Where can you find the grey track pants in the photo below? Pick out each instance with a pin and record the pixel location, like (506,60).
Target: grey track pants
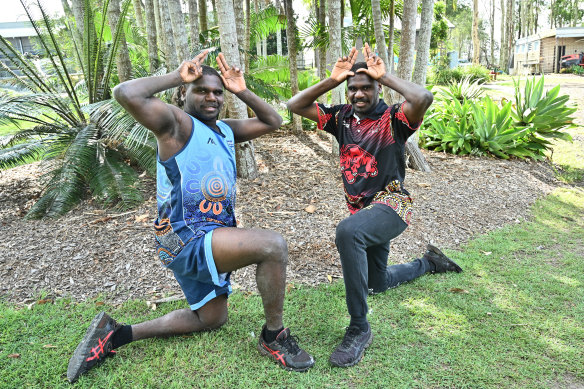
(363,243)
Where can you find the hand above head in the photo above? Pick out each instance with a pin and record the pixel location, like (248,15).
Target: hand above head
(375,66)
(232,77)
(342,68)
(191,70)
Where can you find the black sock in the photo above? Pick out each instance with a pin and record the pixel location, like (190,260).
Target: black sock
(360,322)
(270,336)
(122,336)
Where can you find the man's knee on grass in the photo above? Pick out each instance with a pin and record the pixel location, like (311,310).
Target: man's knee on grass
(213,315)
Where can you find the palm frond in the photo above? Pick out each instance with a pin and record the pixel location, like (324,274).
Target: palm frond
(20,153)
(113,182)
(144,156)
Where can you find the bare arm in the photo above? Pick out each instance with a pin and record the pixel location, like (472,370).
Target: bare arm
(137,97)
(303,103)
(266,120)
(418,98)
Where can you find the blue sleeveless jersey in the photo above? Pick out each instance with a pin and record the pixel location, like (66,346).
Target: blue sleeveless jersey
(195,189)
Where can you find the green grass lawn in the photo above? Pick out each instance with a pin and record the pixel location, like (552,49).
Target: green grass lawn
(513,319)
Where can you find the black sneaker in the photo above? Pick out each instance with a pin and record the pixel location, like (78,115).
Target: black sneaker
(95,346)
(440,261)
(285,351)
(352,348)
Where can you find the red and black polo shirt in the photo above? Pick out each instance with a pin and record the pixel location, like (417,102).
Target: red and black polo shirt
(371,150)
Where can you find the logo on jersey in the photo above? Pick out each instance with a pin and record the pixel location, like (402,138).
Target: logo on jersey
(214,188)
(356,162)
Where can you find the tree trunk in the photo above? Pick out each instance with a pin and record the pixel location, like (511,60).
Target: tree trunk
(203,15)
(423,49)
(492,32)
(139,14)
(122,56)
(335,50)
(503,45)
(380,42)
(151,35)
(244,153)
(160,37)
(258,40)
(178,30)
(321,51)
(214,13)
(292,60)
(193,24)
(476,44)
(79,14)
(404,71)
(71,22)
(240,28)
(279,29)
(247,33)
(171,58)
(509,34)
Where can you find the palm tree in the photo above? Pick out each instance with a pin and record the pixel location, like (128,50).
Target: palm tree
(380,39)
(476,44)
(203,15)
(423,43)
(151,35)
(178,29)
(122,55)
(193,23)
(292,59)
(404,71)
(85,141)
(244,152)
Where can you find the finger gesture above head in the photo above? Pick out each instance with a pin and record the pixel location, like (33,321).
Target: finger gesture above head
(342,68)
(375,66)
(191,70)
(232,77)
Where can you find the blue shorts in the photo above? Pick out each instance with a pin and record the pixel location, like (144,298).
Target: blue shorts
(194,269)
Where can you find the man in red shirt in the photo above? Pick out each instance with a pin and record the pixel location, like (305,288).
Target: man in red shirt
(372,139)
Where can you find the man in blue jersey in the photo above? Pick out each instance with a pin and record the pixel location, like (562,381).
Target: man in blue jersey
(195,231)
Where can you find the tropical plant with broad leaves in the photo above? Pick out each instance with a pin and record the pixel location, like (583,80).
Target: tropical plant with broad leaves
(459,125)
(82,135)
(465,89)
(545,115)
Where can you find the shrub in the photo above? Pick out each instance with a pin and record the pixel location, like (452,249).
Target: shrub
(446,76)
(480,127)
(477,73)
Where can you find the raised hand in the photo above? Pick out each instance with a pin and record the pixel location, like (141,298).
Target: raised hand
(191,70)
(232,77)
(375,66)
(342,68)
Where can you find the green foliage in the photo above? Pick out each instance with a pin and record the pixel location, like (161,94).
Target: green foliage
(574,69)
(445,75)
(274,72)
(544,115)
(465,89)
(83,135)
(460,123)
(442,74)
(477,73)
(439,25)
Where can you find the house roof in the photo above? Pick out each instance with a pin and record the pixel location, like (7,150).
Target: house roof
(561,32)
(17,29)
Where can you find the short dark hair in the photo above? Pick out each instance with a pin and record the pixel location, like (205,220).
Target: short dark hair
(208,70)
(359,65)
